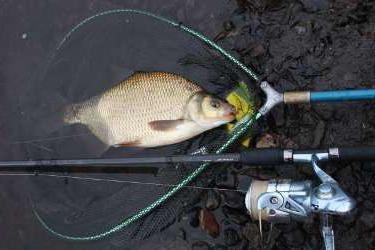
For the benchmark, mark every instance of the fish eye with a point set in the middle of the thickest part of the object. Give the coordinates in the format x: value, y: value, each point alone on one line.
x: 215, y: 103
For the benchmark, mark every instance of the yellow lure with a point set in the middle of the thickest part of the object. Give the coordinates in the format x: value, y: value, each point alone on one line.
x: 244, y: 104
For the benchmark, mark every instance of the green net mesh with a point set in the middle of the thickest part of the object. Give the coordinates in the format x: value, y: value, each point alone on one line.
x: 128, y: 205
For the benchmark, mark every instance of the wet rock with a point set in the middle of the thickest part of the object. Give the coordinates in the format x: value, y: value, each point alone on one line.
x: 226, y: 180
x: 234, y: 199
x: 200, y: 245
x: 349, y: 219
x: 319, y: 134
x: 181, y: 234
x: 257, y: 50
x: 368, y: 166
x: 300, y: 29
x: 371, y: 116
x: 287, y: 227
x: 324, y: 111
x: 368, y: 205
x: 213, y: 200
x: 220, y: 247
x: 313, y: 242
x: 315, y: 5
x: 295, y: 238
x: 367, y: 219
x: 194, y: 217
x: 351, y: 234
x: 251, y: 233
x: 267, y: 141
x: 236, y: 216
x: 278, y: 115
x: 231, y: 237
x: 208, y: 223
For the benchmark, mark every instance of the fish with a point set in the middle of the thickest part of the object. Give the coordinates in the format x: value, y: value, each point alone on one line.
x: 150, y: 109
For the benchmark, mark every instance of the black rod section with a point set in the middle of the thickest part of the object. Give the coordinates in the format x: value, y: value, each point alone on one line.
x: 119, y: 162
x: 357, y: 153
x: 251, y: 156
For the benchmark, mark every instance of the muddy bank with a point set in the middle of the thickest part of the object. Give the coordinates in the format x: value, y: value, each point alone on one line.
x: 308, y: 45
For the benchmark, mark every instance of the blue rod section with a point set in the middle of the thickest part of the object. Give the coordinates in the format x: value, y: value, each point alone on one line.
x: 342, y: 95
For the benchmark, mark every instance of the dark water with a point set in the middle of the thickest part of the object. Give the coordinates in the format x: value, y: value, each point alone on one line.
x: 97, y: 57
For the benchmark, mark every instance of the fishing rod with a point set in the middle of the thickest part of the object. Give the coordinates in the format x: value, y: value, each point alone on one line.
x: 271, y: 156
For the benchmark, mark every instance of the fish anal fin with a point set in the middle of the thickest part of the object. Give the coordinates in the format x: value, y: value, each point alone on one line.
x: 135, y: 143
x: 166, y: 125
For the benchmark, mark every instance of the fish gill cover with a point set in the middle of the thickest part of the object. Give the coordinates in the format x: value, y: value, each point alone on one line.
x: 94, y: 58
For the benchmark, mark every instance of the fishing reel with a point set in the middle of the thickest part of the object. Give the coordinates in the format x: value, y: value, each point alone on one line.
x: 280, y: 201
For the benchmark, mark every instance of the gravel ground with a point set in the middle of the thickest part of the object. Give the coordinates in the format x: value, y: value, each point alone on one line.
x: 316, y: 45
x: 309, y: 45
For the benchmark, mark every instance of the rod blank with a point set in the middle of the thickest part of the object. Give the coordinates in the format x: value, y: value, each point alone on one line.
x: 251, y: 157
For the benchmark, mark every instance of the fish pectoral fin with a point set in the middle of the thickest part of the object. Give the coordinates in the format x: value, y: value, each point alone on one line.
x: 166, y: 125
x: 127, y: 144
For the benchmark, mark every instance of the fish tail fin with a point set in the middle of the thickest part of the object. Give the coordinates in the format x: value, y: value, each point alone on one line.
x: 70, y: 114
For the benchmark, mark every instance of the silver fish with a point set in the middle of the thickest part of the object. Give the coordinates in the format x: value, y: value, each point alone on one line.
x: 150, y: 109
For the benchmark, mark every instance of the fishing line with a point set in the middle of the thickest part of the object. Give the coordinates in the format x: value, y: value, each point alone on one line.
x: 37, y: 175
x: 50, y: 138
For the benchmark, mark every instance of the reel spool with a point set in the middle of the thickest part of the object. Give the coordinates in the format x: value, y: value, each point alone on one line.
x: 279, y: 201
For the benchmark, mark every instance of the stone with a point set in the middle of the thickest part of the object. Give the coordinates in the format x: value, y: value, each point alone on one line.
x: 251, y: 233
x: 367, y: 219
x: 213, y: 200
x: 319, y: 133
x: 181, y: 234
x: 267, y: 141
x: 234, y: 199
x: 231, y: 237
x: 208, y: 223
x: 294, y: 238
x: 194, y: 217
x: 200, y: 245
x: 257, y: 50
x: 234, y: 215
x: 220, y: 247
x: 226, y: 180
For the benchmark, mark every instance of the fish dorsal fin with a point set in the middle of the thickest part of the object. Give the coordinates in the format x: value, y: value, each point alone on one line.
x: 166, y: 125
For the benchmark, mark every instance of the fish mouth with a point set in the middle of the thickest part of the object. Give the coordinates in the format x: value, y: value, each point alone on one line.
x: 230, y: 117
x: 230, y: 113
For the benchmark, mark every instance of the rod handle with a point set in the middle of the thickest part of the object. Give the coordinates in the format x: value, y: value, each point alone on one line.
x: 269, y: 156
x: 365, y: 153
